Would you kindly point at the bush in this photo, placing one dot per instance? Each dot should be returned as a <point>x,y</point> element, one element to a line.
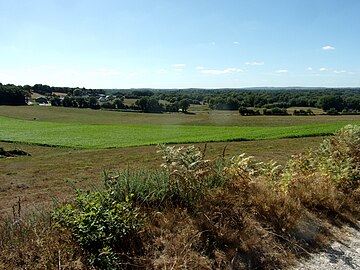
<point>275,111</point>
<point>332,111</point>
<point>101,226</point>
<point>189,173</point>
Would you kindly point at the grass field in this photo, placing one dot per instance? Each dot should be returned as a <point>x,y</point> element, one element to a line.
<point>52,171</point>
<point>113,135</point>
<point>49,171</point>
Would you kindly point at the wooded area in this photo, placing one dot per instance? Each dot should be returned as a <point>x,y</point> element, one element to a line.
<point>274,100</point>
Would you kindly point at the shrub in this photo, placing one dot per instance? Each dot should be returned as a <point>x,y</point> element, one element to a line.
<point>188,173</point>
<point>102,226</point>
<point>275,111</point>
<point>332,111</point>
<point>339,157</point>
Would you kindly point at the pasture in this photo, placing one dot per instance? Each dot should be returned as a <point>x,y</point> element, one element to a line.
<point>125,135</point>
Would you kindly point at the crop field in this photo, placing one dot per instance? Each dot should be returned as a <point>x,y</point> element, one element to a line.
<point>107,129</point>
<point>113,135</point>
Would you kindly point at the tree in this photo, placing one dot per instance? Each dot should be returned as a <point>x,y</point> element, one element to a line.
<point>331,102</point>
<point>118,103</point>
<point>55,101</point>
<point>93,103</point>
<point>13,95</point>
<point>184,104</point>
<point>149,104</point>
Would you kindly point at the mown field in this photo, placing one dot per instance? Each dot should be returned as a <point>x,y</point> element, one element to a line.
<point>112,135</point>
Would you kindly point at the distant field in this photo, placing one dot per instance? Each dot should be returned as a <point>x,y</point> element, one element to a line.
<point>200,118</point>
<point>125,135</point>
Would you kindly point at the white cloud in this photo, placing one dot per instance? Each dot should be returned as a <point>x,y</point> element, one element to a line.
<point>236,42</point>
<point>179,67</point>
<point>255,63</point>
<point>323,69</point>
<point>221,71</point>
<point>200,67</point>
<point>282,71</point>
<point>339,71</point>
<point>328,48</point>
<point>310,68</point>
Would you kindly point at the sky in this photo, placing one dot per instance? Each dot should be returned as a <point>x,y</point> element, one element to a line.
<point>180,43</point>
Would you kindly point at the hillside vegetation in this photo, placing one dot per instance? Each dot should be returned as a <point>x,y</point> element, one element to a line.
<point>196,213</point>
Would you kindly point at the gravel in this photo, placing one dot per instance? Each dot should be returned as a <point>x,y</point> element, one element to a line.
<point>342,254</point>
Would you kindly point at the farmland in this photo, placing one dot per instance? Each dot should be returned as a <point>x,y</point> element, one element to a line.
<point>92,141</point>
<point>45,126</point>
<point>73,148</point>
<point>107,136</point>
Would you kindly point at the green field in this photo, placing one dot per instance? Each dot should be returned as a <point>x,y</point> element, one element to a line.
<point>124,135</point>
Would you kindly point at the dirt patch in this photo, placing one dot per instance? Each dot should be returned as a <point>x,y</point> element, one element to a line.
<point>12,153</point>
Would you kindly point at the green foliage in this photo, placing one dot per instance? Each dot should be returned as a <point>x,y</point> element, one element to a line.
<point>248,112</point>
<point>303,112</point>
<point>13,95</point>
<point>188,171</point>
<point>184,178</point>
<point>339,156</point>
<point>275,111</point>
<point>337,159</point>
<point>149,105</point>
<point>146,187</point>
<point>101,225</point>
<point>332,111</point>
<point>184,104</point>
<point>334,102</point>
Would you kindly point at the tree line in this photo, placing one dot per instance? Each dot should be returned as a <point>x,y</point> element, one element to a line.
<point>345,100</point>
<point>13,95</point>
<point>331,100</point>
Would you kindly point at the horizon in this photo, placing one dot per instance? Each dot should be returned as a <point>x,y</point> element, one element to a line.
<point>204,44</point>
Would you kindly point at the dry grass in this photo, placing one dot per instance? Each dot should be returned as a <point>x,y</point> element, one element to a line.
<point>52,172</point>
<point>217,118</point>
<point>29,240</point>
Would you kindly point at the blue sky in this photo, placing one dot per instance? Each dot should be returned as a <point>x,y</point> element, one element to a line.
<point>180,43</point>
